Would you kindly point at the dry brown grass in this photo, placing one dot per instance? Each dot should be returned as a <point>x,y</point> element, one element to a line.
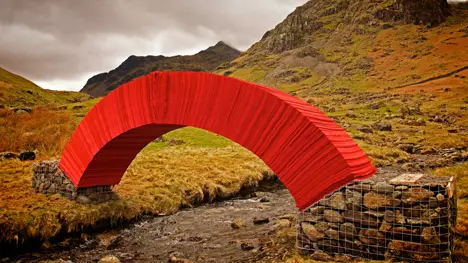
<point>160,180</point>
<point>43,130</point>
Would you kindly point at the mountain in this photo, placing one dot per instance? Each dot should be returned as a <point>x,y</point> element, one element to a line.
<point>134,66</point>
<point>365,63</point>
<point>18,91</point>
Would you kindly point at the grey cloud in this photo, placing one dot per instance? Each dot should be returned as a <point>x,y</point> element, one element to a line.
<point>48,40</point>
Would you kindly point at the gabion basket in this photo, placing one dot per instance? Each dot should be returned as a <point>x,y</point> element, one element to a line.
<point>408,217</point>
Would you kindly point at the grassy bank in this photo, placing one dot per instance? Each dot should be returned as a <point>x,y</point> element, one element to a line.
<point>161,180</point>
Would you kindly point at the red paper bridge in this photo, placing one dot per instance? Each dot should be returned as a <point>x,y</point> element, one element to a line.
<point>309,152</point>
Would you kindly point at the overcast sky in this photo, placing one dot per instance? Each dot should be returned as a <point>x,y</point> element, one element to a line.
<point>60,44</point>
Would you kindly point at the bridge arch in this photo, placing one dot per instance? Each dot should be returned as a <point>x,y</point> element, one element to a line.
<point>309,152</point>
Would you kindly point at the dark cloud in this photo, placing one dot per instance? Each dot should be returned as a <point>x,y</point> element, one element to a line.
<point>65,42</point>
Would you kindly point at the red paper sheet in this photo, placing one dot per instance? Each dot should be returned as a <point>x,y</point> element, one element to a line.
<point>309,152</point>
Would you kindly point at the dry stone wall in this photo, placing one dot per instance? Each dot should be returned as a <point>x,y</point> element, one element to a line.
<point>47,178</point>
<point>405,217</point>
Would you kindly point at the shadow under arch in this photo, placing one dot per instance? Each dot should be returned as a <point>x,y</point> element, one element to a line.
<point>309,152</point>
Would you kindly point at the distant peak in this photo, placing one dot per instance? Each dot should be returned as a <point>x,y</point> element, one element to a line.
<point>223,45</point>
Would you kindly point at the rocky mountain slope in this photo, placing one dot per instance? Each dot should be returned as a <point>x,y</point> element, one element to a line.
<point>18,91</point>
<point>134,66</point>
<point>375,66</point>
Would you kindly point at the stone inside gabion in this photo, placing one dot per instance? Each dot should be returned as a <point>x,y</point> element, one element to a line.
<point>47,178</point>
<point>405,217</point>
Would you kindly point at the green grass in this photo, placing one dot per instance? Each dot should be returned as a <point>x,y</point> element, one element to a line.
<point>18,91</point>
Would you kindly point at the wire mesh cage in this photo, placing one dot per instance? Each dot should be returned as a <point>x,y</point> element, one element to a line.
<point>407,217</point>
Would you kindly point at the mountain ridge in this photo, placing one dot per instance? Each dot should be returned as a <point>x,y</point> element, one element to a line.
<point>136,66</point>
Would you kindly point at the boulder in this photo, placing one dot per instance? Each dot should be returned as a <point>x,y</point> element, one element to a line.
<point>27,156</point>
<point>382,126</point>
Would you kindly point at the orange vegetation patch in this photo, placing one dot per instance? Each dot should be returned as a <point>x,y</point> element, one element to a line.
<point>44,130</point>
<point>408,54</point>
<point>459,86</point>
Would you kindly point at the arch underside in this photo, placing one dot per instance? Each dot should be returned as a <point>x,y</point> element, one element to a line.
<point>310,153</point>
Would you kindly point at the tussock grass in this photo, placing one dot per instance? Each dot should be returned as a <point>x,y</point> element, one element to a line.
<point>160,180</point>
<point>44,130</point>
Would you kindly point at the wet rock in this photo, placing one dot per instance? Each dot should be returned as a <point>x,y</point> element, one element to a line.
<point>360,218</point>
<point>109,259</point>
<point>371,237</point>
<point>333,216</point>
<point>377,201</point>
<point>321,256</point>
<point>238,223</point>
<point>382,126</point>
<point>261,221</point>
<point>312,233</point>
<point>348,231</point>
<point>84,200</point>
<point>246,246</point>
<point>110,241</point>
<point>383,188</point>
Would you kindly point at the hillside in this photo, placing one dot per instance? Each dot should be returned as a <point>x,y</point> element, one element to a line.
<point>134,66</point>
<point>373,63</point>
<point>18,91</point>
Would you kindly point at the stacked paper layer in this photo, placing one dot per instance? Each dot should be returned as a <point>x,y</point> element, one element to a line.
<point>309,152</point>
